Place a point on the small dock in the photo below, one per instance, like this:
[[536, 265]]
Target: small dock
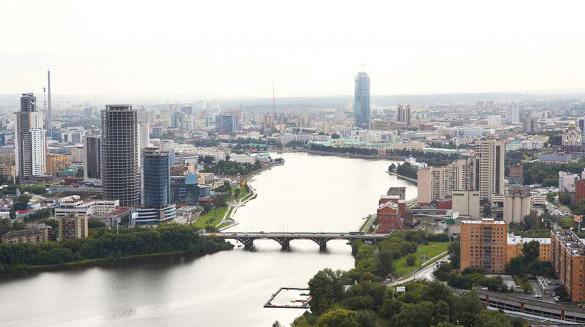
[[289, 298]]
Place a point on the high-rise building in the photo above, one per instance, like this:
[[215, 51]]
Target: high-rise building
[[119, 150], [513, 114], [92, 169], [489, 165], [483, 245], [30, 139], [361, 104], [404, 115], [437, 183], [49, 113], [156, 177], [226, 123], [157, 188]]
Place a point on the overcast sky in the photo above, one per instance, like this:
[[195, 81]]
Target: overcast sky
[[220, 48]]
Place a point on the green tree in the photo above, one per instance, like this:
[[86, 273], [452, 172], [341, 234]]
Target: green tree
[[531, 251], [455, 253], [492, 319], [416, 314], [565, 198], [325, 287], [385, 259], [467, 308], [411, 259], [338, 318]]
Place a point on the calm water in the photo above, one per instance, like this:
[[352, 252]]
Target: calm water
[[308, 193]]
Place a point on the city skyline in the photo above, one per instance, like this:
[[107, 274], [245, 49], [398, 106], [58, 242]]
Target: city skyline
[[183, 55]]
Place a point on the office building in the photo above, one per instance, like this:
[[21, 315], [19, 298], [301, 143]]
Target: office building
[[489, 165], [361, 104], [73, 226], [156, 177], [438, 183], [483, 245], [513, 114], [466, 203], [404, 115], [157, 188], [92, 169], [184, 189], [531, 125], [579, 191], [119, 152], [30, 139], [226, 123], [568, 261]]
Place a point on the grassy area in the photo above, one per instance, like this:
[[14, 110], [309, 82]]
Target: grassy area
[[243, 193], [211, 218], [428, 251]]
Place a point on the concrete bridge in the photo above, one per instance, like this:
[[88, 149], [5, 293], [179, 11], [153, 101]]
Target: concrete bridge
[[247, 239]]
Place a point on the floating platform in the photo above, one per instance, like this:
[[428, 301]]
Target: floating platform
[[289, 298]]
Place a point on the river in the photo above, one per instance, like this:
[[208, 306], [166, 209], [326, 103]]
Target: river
[[307, 193]]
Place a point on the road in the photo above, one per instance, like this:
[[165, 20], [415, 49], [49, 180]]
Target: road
[[425, 273]]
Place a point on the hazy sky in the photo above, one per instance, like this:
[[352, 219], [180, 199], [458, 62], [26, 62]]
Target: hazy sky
[[220, 48]]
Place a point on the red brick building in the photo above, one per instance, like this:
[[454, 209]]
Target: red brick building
[[579, 190], [390, 214]]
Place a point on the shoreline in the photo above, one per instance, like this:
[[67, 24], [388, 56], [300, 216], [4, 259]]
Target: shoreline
[[98, 262], [410, 179]]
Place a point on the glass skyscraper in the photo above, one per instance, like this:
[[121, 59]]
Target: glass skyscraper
[[156, 177], [361, 104]]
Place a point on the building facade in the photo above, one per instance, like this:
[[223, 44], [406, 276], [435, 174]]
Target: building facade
[[489, 157], [73, 226], [92, 158], [57, 162], [119, 152], [568, 261], [36, 235], [466, 203], [361, 103], [30, 139], [156, 177], [483, 245]]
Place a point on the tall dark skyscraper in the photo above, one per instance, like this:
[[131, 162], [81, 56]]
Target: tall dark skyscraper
[[120, 170], [156, 177], [92, 159], [30, 143], [361, 104]]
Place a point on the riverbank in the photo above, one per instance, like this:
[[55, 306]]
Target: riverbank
[[100, 262], [410, 179], [107, 246]]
